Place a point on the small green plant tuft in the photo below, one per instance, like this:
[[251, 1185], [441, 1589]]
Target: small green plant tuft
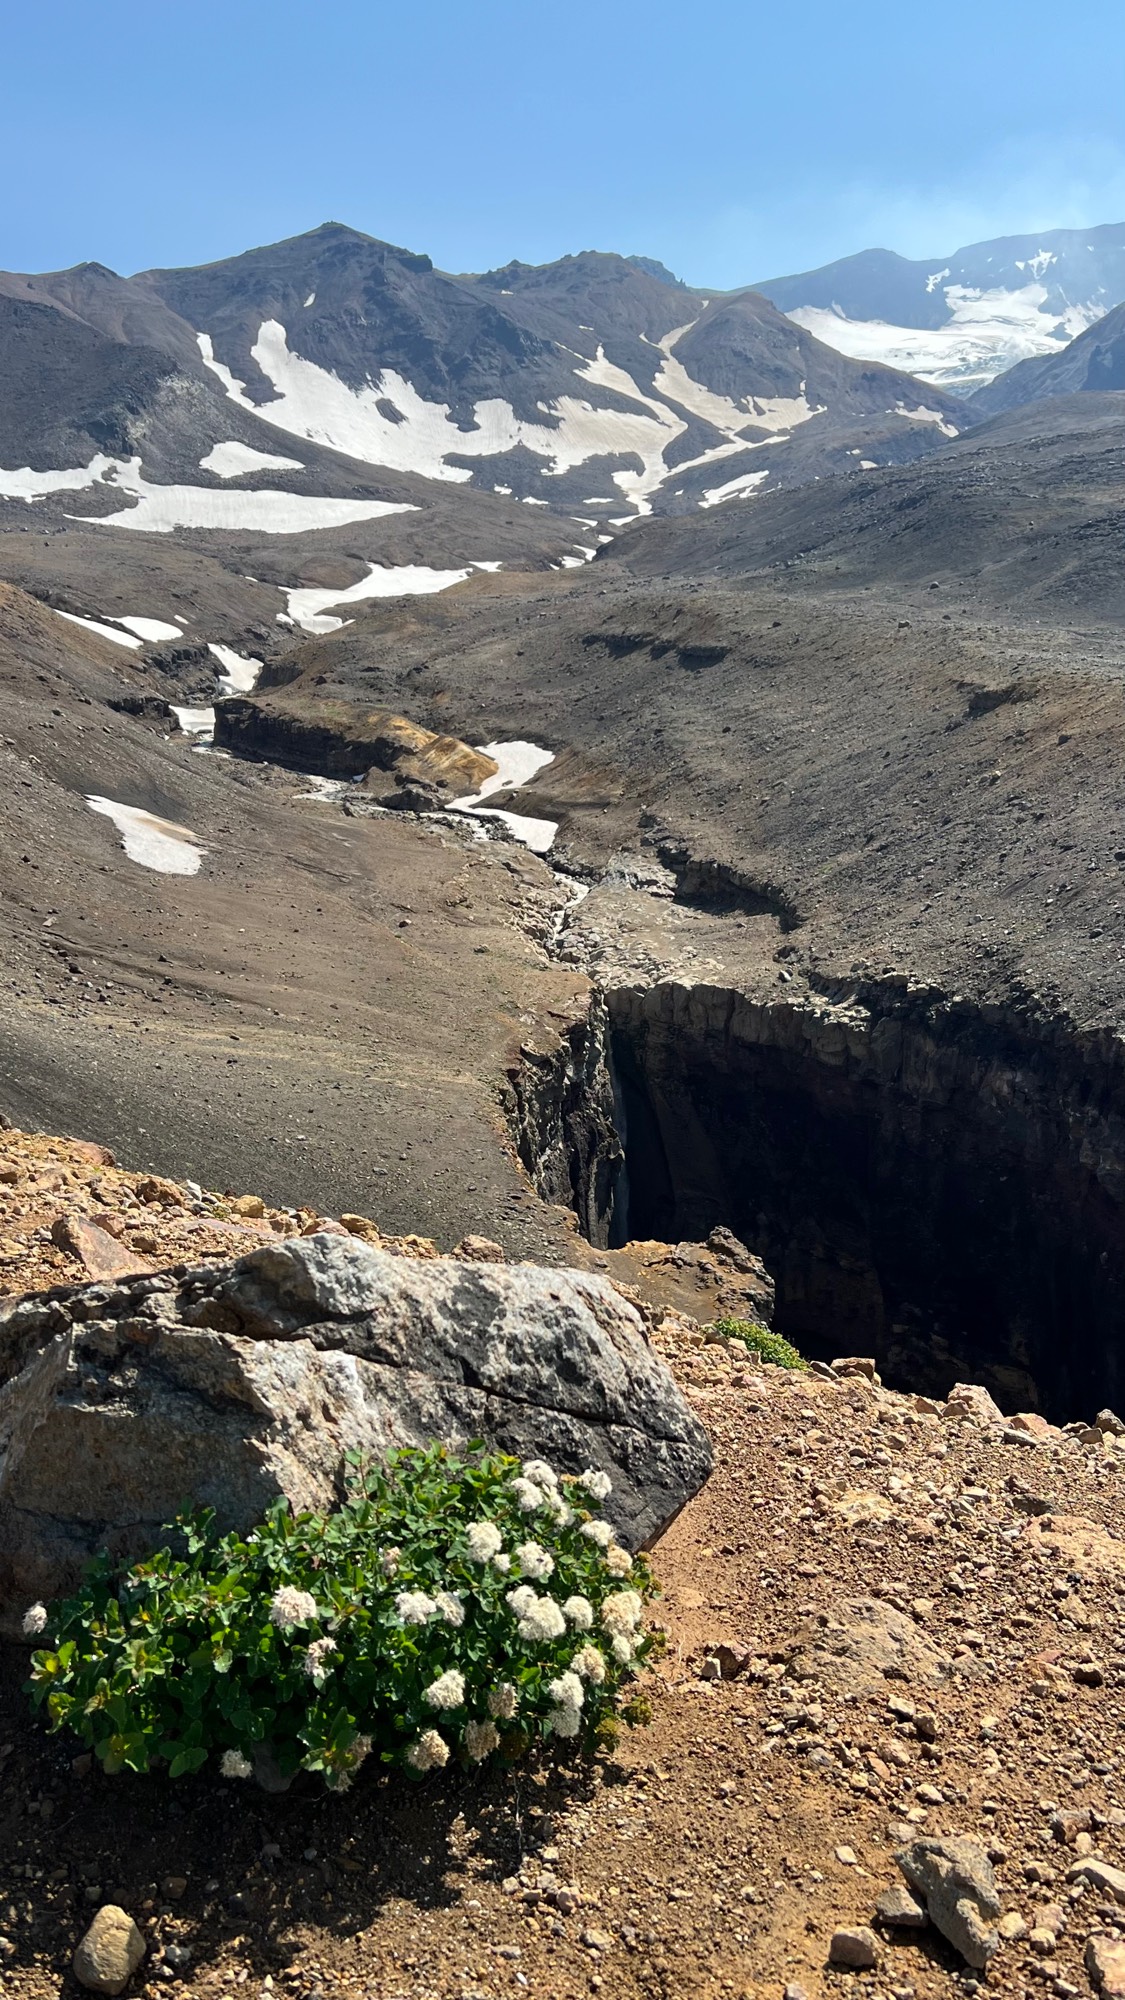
[[451, 1608], [761, 1340]]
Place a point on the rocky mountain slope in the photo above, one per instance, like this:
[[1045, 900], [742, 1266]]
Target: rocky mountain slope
[[591, 384], [960, 320]]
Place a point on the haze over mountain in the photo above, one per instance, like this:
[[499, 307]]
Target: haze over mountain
[[958, 321]]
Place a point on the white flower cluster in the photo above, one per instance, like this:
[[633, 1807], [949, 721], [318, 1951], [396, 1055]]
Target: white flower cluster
[[598, 1485], [590, 1664], [579, 1612], [598, 1532], [485, 1541], [235, 1765], [503, 1701], [622, 1611], [539, 1617], [618, 1561], [389, 1560], [34, 1621], [568, 1694], [538, 1486], [481, 1739], [448, 1691], [534, 1561], [429, 1752], [316, 1658], [414, 1606], [289, 1607]]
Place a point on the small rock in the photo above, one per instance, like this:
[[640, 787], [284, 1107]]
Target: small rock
[[96, 1249], [1031, 1426], [968, 1402], [175, 1886], [847, 1856], [1099, 1874], [480, 1250], [1042, 1939], [897, 1908], [733, 1660], [856, 1364], [929, 1795], [362, 1225], [1105, 1963], [854, 1946], [250, 1206], [954, 1877], [110, 1952], [1012, 1927], [159, 1193], [1109, 1422], [596, 1940], [1088, 1674]]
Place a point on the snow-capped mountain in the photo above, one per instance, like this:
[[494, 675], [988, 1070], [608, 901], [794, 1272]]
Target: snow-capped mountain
[[961, 320], [272, 389], [1094, 361]]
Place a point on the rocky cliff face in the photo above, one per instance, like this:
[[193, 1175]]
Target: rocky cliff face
[[563, 1118], [939, 1184], [345, 740]]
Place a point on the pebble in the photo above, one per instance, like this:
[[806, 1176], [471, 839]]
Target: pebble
[[110, 1952], [854, 1946], [899, 1910], [1105, 1964]]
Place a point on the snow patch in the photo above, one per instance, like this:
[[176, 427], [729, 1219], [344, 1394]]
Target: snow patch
[[516, 763], [161, 509], [232, 460], [103, 631], [239, 670], [24, 484], [421, 436], [310, 607], [735, 489], [924, 416], [154, 843], [194, 721], [152, 629]]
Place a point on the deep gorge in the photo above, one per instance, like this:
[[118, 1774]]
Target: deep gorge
[[939, 1185]]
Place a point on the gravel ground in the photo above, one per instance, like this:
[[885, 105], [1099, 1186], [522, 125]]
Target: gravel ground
[[924, 1620]]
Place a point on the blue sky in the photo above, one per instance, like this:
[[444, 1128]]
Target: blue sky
[[731, 139]]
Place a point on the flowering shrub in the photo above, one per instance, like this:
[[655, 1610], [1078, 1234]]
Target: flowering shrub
[[762, 1341], [448, 1609]]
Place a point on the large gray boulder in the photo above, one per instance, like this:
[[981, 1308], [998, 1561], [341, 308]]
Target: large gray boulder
[[121, 1403]]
